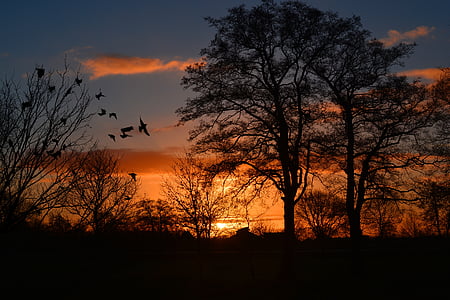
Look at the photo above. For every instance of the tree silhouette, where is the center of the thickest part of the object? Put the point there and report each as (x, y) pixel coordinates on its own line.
(435, 205)
(324, 212)
(382, 216)
(39, 124)
(155, 216)
(198, 196)
(255, 100)
(100, 196)
(378, 118)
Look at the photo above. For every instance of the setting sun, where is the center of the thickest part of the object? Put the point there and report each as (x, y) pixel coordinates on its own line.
(222, 225)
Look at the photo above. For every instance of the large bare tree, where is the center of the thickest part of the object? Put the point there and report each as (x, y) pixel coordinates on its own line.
(254, 99)
(378, 119)
(41, 120)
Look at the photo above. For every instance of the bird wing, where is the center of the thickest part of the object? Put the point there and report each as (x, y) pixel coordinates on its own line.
(126, 129)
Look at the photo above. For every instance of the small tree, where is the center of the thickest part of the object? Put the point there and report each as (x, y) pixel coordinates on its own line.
(435, 205)
(199, 197)
(155, 216)
(40, 124)
(382, 216)
(324, 212)
(412, 224)
(100, 195)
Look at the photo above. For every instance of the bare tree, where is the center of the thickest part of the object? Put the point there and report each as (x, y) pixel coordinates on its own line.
(324, 212)
(435, 205)
(155, 216)
(40, 123)
(198, 195)
(412, 224)
(382, 216)
(100, 195)
(255, 100)
(378, 118)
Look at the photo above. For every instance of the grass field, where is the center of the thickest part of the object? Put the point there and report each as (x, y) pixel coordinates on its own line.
(141, 267)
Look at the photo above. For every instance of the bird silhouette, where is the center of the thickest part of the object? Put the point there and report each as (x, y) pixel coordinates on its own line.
(124, 135)
(143, 127)
(112, 136)
(102, 112)
(99, 95)
(133, 176)
(26, 104)
(113, 114)
(78, 81)
(126, 129)
(40, 72)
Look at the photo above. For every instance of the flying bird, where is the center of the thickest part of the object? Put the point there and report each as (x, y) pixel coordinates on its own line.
(112, 136)
(126, 129)
(133, 176)
(40, 72)
(113, 114)
(102, 112)
(78, 81)
(124, 135)
(143, 127)
(99, 95)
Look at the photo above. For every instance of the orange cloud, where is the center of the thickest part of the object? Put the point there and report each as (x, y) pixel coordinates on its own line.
(123, 65)
(432, 74)
(395, 36)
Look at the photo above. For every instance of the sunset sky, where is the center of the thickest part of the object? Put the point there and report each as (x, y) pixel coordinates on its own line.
(135, 52)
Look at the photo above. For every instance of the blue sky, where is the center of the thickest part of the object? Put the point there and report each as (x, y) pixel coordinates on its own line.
(159, 32)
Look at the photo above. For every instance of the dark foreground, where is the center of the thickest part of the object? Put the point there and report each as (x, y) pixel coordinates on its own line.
(138, 266)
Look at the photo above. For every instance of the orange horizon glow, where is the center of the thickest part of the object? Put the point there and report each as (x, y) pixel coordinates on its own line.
(106, 65)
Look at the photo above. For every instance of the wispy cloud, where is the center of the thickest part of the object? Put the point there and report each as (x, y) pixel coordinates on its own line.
(428, 74)
(395, 36)
(106, 65)
(77, 50)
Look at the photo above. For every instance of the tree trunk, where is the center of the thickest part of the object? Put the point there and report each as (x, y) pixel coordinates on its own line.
(354, 220)
(352, 213)
(288, 259)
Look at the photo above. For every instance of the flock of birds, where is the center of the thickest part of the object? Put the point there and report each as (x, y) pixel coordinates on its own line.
(142, 127)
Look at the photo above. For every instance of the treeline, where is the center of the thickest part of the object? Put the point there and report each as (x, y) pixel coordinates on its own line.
(291, 103)
(54, 179)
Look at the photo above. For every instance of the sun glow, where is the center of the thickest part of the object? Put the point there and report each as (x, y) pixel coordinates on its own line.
(222, 225)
